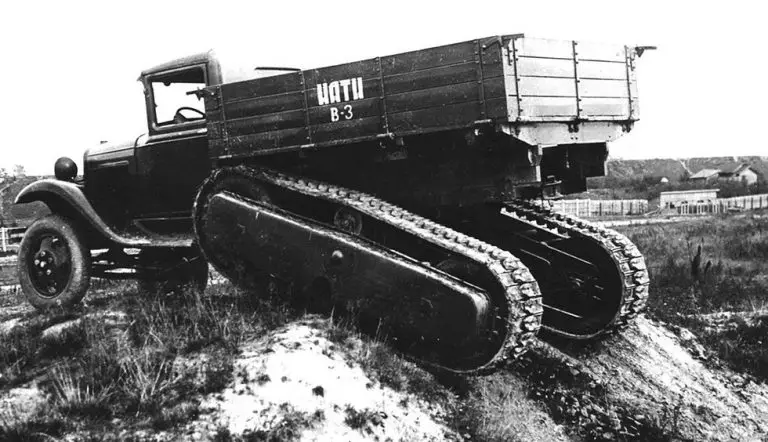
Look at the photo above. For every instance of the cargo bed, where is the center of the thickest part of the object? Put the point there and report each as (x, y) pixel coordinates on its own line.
(544, 92)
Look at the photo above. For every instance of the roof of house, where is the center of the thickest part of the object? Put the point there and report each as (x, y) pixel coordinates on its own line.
(734, 168)
(705, 173)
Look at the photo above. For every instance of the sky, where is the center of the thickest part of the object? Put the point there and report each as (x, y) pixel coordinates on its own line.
(69, 68)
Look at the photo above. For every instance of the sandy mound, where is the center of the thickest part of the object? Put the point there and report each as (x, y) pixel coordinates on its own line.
(297, 381)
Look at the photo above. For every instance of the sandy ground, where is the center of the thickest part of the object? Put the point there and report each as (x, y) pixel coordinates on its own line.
(296, 369)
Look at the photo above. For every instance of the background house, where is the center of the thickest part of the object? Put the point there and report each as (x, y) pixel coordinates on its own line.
(741, 173)
(705, 175)
(727, 172)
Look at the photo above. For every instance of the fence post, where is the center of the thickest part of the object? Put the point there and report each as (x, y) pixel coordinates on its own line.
(3, 233)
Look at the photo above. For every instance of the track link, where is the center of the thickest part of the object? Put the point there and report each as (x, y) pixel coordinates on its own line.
(518, 309)
(625, 255)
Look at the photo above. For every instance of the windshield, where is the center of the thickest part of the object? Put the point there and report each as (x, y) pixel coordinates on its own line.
(173, 101)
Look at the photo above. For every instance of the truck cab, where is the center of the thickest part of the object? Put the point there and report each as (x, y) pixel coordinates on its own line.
(129, 216)
(151, 180)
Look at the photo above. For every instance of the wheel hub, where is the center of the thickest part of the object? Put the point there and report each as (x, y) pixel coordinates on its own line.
(48, 268)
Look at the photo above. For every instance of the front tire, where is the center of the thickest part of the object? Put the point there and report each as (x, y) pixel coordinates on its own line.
(54, 263)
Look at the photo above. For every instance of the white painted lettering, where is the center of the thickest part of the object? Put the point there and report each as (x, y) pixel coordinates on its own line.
(357, 88)
(334, 92)
(345, 88)
(334, 115)
(338, 91)
(322, 94)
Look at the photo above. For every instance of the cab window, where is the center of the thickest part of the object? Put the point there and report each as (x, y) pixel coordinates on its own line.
(176, 98)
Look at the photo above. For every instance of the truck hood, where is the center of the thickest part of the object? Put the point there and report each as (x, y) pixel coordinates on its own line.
(112, 147)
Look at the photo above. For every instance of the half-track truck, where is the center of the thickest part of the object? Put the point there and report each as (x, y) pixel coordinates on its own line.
(409, 191)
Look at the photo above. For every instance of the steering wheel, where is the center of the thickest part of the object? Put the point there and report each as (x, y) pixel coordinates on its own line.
(179, 118)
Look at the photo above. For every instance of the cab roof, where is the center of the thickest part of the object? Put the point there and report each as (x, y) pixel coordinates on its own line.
(202, 57)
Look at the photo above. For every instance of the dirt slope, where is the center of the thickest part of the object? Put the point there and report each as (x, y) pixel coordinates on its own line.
(663, 377)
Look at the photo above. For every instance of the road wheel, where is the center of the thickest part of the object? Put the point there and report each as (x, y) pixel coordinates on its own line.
(54, 263)
(174, 271)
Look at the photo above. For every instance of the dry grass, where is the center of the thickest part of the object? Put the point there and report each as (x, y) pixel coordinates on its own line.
(96, 370)
(706, 266)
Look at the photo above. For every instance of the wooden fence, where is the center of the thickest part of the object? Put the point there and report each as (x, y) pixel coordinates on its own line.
(10, 238)
(597, 208)
(721, 205)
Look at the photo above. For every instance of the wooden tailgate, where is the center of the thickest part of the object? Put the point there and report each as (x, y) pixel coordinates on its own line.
(562, 80)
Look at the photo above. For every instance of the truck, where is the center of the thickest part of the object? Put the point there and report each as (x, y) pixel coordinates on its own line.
(409, 191)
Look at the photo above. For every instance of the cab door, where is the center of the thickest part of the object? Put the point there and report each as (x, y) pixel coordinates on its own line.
(173, 161)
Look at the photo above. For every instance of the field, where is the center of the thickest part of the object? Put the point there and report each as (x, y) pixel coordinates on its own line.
(133, 364)
(710, 275)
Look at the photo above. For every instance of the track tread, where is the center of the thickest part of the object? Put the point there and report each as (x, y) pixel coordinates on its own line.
(624, 253)
(522, 295)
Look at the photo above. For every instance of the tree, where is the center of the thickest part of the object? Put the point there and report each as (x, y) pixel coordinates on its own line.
(18, 171)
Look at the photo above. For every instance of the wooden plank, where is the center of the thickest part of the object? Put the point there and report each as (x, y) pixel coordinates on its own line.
(463, 52)
(548, 107)
(594, 107)
(540, 47)
(266, 122)
(242, 145)
(545, 67)
(360, 127)
(278, 84)
(450, 116)
(265, 105)
(603, 88)
(602, 70)
(547, 87)
(433, 97)
(429, 78)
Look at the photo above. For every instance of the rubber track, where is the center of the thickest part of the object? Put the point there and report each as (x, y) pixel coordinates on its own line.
(624, 254)
(522, 294)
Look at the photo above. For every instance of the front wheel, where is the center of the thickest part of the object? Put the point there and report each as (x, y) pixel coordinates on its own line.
(54, 263)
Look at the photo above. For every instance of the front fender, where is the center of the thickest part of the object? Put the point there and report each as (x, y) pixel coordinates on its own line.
(68, 199)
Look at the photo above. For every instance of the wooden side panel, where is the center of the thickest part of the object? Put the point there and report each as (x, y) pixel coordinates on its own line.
(441, 88)
(501, 79)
